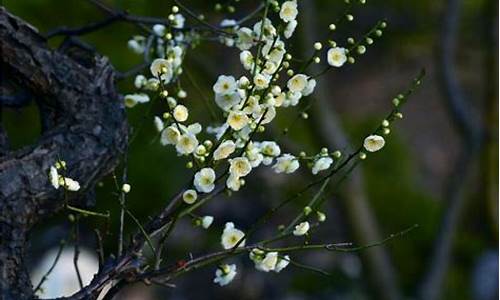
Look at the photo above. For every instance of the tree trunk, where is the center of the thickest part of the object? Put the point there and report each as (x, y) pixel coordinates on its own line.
(83, 123)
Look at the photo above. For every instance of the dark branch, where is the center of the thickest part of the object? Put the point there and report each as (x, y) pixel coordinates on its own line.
(84, 123)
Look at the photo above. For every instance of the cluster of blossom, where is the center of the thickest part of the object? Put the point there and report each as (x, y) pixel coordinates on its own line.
(248, 103)
(168, 45)
(57, 180)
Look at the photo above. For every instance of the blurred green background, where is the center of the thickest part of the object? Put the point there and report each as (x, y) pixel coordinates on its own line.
(407, 183)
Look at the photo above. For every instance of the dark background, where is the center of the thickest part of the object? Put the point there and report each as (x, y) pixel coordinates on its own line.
(428, 174)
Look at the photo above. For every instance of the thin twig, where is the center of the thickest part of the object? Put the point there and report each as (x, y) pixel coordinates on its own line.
(54, 263)
(77, 250)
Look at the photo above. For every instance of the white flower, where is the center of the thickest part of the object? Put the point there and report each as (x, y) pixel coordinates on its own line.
(225, 85)
(243, 82)
(225, 274)
(69, 184)
(245, 38)
(159, 67)
(186, 144)
(233, 183)
(268, 263)
(227, 101)
(159, 29)
(136, 44)
(269, 29)
(374, 143)
(270, 114)
(270, 148)
(132, 99)
(322, 164)
(126, 188)
(289, 11)
(206, 221)
(178, 21)
(225, 149)
(261, 81)
(54, 177)
(158, 124)
(170, 136)
(204, 180)
(293, 97)
(140, 81)
(286, 163)
(180, 113)
(290, 29)
(279, 99)
(282, 263)
(218, 130)
(240, 166)
(311, 85)
(301, 229)
(246, 59)
(297, 83)
(194, 128)
(231, 236)
(189, 196)
(254, 156)
(237, 120)
(336, 57)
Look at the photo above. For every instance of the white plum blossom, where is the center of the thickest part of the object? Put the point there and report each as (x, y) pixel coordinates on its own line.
(374, 143)
(289, 11)
(261, 81)
(159, 29)
(207, 221)
(237, 120)
(180, 113)
(58, 180)
(159, 125)
(131, 100)
(268, 263)
(54, 177)
(227, 101)
(233, 183)
(186, 144)
(270, 148)
(140, 81)
(190, 196)
(269, 30)
(282, 263)
(178, 21)
(204, 180)
(69, 184)
(162, 68)
(297, 83)
(136, 44)
(245, 38)
(247, 60)
(225, 274)
(290, 29)
(231, 236)
(301, 228)
(225, 149)
(336, 57)
(309, 89)
(225, 85)
(170, 136)
(126, 188)
(286, 164)
(322, 164)
(239, 166)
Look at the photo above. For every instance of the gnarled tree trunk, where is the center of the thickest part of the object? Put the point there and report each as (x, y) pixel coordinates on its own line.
(83, 122)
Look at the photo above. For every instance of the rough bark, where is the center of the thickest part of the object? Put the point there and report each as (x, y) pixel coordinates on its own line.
(84, 124)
